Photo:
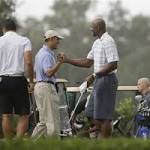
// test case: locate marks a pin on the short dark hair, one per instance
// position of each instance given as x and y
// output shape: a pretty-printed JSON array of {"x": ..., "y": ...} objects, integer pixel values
[{"x": 9, "y": 24}]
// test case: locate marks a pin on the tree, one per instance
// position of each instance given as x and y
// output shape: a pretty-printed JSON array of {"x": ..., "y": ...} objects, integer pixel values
[
  {"x": 118, "y": 24},
  {"x": 7, "y": 8},
  {"x": 133, "y": 42},
  {"x": 34, "y": 29},
  {"x": 69, "y": 18}
]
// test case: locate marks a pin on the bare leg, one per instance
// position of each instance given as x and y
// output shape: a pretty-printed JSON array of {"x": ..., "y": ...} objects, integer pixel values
[
  {"x": 98, "y": 124},
  {"x": 106, "y": 129},
  {"x": 22, "y": 125},
  {"x": 6, "y": 125}
]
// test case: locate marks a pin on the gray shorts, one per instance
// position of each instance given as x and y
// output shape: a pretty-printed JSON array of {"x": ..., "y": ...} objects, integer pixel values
[{"x": 103, "y": 97}]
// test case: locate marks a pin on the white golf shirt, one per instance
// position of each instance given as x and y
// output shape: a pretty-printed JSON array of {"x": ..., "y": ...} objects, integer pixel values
[
  {"x": 103, "y": 51},
  {"x": 12, "y": 48}
]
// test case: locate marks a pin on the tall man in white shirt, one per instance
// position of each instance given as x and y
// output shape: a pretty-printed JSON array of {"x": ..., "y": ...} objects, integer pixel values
[
  {"x": 104, "y": 56},
  {"x": 15, "y": 56}
]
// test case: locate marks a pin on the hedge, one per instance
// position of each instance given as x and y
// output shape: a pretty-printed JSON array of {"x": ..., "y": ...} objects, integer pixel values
[{"x": 75, "y": 144}]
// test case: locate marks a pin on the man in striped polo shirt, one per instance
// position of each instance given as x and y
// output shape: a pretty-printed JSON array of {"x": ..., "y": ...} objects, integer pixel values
[{"x": 105, "y": 57}]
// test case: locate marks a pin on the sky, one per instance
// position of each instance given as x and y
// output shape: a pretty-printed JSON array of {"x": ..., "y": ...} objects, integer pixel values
[{"x": 39, "y": 8}]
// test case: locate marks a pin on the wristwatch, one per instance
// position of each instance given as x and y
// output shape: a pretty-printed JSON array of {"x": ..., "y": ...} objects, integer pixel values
[{"x": 94, "y": 75}]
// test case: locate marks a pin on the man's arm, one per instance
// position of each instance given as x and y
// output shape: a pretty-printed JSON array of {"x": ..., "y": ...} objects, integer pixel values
[
  {"x": 83, "y": 62},
  {"x": 51, "y": 71},
  {"x": 28, "y": 65},
  {"x": 107, "y": 68},
  {"x": 104, "y": 71}
]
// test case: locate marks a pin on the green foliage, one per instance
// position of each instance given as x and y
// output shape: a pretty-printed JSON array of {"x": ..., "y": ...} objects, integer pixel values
[
  {"x": 7, "y": 8},
  {"x": 76, "y": 144},
  {"x": 69, "y": 17},
  {"x": 126, "y": 108},
  {"x": 133, "y": 42},
  {"x": 34, "y": 29}
]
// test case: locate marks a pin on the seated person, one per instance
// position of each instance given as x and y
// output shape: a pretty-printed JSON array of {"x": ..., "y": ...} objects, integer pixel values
[
  {"x": 142, "y": 117},
  {"x": 144, "y": 89}
]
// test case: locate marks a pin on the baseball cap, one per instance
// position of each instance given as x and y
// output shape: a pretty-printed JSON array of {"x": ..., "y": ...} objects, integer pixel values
[{"x": 52, "y": 33}]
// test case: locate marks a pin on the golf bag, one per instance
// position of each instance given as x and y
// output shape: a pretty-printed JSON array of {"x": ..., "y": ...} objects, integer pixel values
[{"x": 142, "y": 118}]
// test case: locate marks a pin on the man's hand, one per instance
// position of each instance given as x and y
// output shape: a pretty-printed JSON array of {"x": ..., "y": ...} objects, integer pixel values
[
  {"x": 28, "y": 65},
  {"x": 61, "y": 57},
  {"x": 31, "y": 87},
  {"x": 90, "y": 79}
]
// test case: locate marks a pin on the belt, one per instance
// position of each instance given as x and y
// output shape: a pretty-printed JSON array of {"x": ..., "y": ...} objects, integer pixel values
[
  {"x": 110, "y": 74},
  {"x": 12, "y": 75},
  {"x": 51, "y": 82}
]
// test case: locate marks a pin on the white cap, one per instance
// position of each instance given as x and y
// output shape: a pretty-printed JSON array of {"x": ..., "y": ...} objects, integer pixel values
[{"x": 52, "y": 33}]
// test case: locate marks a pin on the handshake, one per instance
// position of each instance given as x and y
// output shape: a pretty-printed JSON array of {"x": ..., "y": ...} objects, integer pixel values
[{"x": 62, "y": 58}]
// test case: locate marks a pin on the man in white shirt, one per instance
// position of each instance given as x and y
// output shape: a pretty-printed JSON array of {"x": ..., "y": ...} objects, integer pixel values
[
  {"x": 104, "y": 56},
  {"x": 15, "y": 56}
]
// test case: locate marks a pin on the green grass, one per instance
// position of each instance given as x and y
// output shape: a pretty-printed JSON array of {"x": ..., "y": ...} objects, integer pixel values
[{"x": 75, "y": 144}]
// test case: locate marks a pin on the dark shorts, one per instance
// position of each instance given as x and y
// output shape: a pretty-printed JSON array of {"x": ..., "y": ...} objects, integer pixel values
[
  {"x": 103, "y": 97},
  {"x": 14, "y": 96}
]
